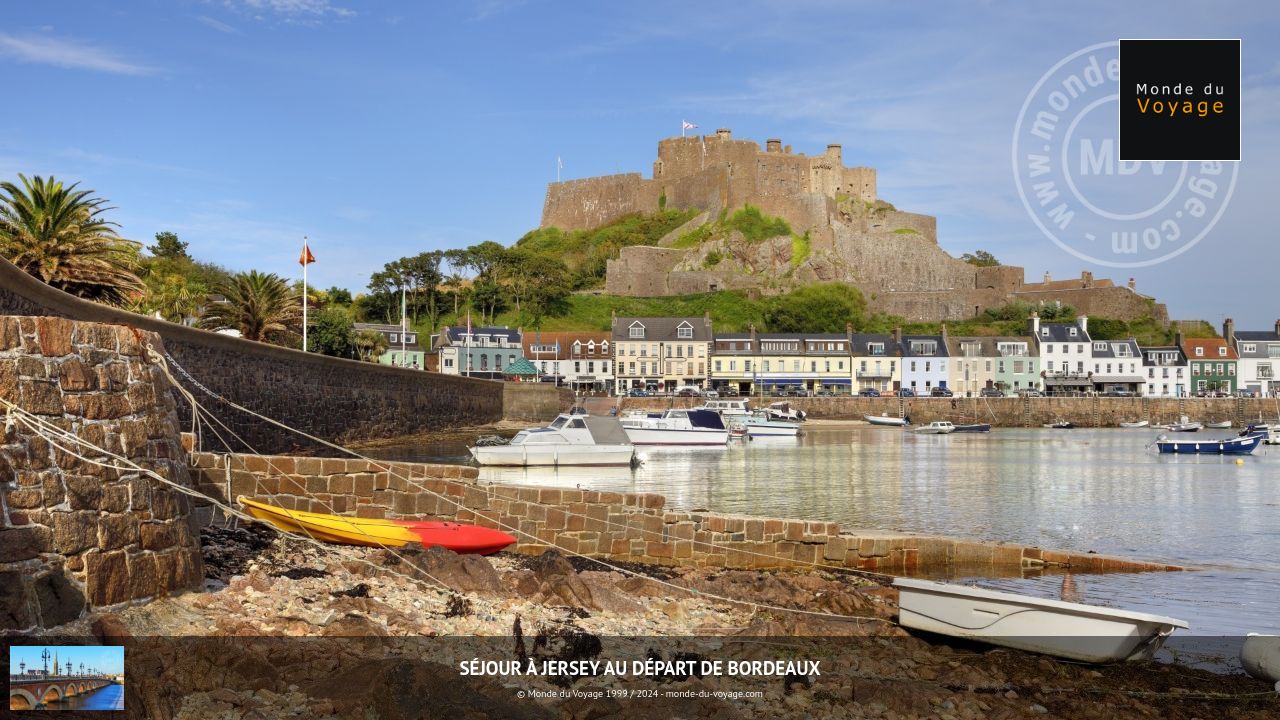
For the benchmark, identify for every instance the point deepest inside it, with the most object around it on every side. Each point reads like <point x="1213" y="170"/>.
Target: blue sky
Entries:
<point x="108" y="659"/>
<point x="382" y="129"/>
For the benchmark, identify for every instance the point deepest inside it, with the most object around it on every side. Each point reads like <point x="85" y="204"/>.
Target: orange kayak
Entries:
<point x="380" y="532"/>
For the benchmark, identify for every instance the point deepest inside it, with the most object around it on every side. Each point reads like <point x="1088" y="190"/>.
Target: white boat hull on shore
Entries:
<point x="1260" y="657"/>
<point x="553" y="454"/>
<point x="1086" y="633"/>
<point x="885" y="420"/>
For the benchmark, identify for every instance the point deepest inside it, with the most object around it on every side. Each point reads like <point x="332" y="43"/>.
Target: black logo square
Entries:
<point x="1179" y="99"/>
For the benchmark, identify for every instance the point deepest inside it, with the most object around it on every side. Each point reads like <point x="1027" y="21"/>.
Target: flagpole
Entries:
<point x="304" y="293"/>
<point x="404" y="358"/>
<point x="558" y="166"/>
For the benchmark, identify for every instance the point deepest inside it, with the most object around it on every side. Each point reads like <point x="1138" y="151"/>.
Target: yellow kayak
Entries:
<point x="379" y="532"/>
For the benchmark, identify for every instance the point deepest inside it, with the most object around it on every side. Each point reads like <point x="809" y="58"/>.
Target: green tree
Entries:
<point x="338" y="296"/>
<point x="370" y="344"/>
<point x="174" y="296"/>
<point x="58" y="234"/>
<point x="981" y="258"/>
<point x="331" y="331"/>
<point x="540" y="282"/>
<point x="169" y="247"/>
<point x="261" y="306"/>
<point x="824" y="307"/>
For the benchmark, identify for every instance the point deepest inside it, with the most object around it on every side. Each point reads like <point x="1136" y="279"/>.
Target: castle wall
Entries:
<point x="641" y="271"/>
<point x="592" y="202"/>
<point x="1112" y="302"/>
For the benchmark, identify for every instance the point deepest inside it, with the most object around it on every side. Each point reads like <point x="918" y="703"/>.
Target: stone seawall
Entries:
<point x="616" y="526"/>
<point x="1012" y="412"/>
<point x="340" y="400"/>
<point x="76" y="536"/>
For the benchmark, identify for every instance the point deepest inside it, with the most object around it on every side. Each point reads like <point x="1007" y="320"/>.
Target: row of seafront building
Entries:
<point x="668" y="353"/>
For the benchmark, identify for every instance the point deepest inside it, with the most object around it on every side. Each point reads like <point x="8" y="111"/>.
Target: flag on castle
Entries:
<point x="686" y="125"/>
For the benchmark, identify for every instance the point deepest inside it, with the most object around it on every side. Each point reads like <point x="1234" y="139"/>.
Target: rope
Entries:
<point x="881" y="578"/>
<point x="391" y="470"/>
<point x="45" y="430"/>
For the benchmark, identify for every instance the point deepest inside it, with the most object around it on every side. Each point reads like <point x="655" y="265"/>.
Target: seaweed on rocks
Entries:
<point x="229" y="551"/>
<point x="299" y="573"/>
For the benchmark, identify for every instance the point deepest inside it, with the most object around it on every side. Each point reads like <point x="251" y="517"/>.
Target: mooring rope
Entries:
<point x="604" y="563"/>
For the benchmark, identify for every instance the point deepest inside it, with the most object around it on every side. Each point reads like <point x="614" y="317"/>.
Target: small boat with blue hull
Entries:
<point x="973" y="428"/>
<point x="1240" y="445"/>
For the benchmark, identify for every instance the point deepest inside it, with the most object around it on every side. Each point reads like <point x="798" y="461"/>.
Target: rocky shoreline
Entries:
<point x="287" y="629"/>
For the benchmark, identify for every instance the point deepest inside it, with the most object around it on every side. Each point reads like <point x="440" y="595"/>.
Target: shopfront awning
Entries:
<point x="837" y="381"/>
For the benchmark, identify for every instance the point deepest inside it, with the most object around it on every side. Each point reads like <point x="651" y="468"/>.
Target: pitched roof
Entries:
<point x="563" y="342"/>
<point x="909" y="351"/>
<point x="1061" y="332"/>
<point x="989" y="345"/>
<point x="1110" y="351"/>
<point x="662" y="328"/>
<point x="1210" y="347"/>
<point x="456" y="334"/>
<point x="860" y="341"/>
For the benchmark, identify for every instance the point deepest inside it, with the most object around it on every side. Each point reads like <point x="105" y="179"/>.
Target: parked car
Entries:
<point x="795" y="392"/>
<point x="688" y="391"/>
<point x="940" y="392"/>
<point x="824" y="393"/>
<point x="1030" y="393"/>
<point x="1117" y="393"/>
<point x="991" y="392"/>
<point x="711" y="394"/>
<point x="905" y="392"/>
<point x="729" y="392"/>
<point x="869" y="392"/>
<point x="638" y="392"/>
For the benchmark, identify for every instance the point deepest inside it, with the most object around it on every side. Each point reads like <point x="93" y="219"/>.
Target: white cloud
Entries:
<point x="294" y="11"/>
<point x="217" y="25"/>
<point x="45" y="50"/>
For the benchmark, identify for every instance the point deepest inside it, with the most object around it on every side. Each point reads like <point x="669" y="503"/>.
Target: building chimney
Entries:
<point x="1086" y="278"/>
<point x="833" y="152"/>
<point x="1177" y="338"/>
<point x="773" y="145"/>
<point x="897" y="334"/>
<point x="1033" y="323"/>
<point x="848" y="333"/>
<point x="1229" y="331"/>
<point x="752" y="328"/>
<point x="1083" y="323"/>
<point x="943" y="329"/>
<point x="724" y="134"/>
<point x="1133" y="284"/>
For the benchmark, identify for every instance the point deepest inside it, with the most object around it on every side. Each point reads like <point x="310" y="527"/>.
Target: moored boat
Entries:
<point x="675" y="427"/>
<point x="1270" y="433"/>
<point x="973" y="428"/>
<point x="1184" y="424"/>
<point x="1239" y="445"/>
<point x="1074" y="631"/>
<point x="380" y="532"/>
<point x="887" y="421"/>
<point x="1260" y="657"/>
<point x="1219" y="425"/>
<point x="937" y="427"/>
<point x="728" y="408"/>
<point x="784" y="411"/>
<point x="1059" y="425"/>
<point x="1135" y="424"/>
<point x="762" y="424"/>
<point x="571" y="439"/>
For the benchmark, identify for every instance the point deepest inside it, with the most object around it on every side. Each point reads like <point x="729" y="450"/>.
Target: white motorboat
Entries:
<point x="728" y="408"/>
<point x="784" y="411"/>
<point x="886" y="420"/>
<point x="1270" y="433"/>
<point x="1219" y="425"/>
<point x="1074" y="631"/>
<point x="571" y="439"/>
<point x="675" y="427"/>
<point x="1135" y="424"/>
<point x="937" y="427"/>
<point x="761" y="424"/>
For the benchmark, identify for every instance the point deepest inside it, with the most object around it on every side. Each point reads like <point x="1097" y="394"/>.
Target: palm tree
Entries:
<point x="256" y="304"/>
<point x="371" y="344"/>
<point x="57" y="233"/>
<point x="454" y="284"/>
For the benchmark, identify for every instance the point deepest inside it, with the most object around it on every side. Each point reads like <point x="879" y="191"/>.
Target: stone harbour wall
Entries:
<point x="612" y="525"/>
<point x="75" y="536"/>
<point x="336" y="399"/>
<point x="1101" y="412"/>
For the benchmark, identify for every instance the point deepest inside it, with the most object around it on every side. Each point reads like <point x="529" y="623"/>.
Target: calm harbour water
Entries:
<point x="1100" y="490"/>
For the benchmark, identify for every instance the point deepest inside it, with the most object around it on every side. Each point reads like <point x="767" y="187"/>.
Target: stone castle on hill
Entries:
<point x="852" y="235"/>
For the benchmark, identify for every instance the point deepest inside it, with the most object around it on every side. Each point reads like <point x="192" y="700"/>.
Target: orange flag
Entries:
<point x="306" y="258"/>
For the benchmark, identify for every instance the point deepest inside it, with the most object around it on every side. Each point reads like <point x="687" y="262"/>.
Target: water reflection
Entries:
<point x="1099" y="490"/>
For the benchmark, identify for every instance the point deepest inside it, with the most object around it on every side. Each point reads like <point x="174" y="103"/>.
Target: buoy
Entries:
<point x="1239" y="461"/>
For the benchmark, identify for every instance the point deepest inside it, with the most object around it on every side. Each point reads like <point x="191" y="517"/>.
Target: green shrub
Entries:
<point x="755" y="226"/>
<point x="712" y="259"/>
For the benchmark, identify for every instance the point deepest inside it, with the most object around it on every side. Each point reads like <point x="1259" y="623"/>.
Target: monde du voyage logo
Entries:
<point x="1123" y="152"/>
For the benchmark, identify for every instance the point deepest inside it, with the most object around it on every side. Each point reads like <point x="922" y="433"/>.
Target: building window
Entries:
<point x="1099" y="347"/>
<point x="395" y="337"/>
<point x="484" y="361"/>
<point x="766" y="365"/>
<point x="1199" y="352"/>
<point x="717" y="366"/>
<point x="1264" y="371"/>
<point x="577" y="367"/>
<point x="448" y="362"/>
<point x="637" y="331"/>
<point x="1249" y="348"/>
<point x="684" y="331"/>
<point x="1048" y="348"/>
<point x="1222" y="352"/>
